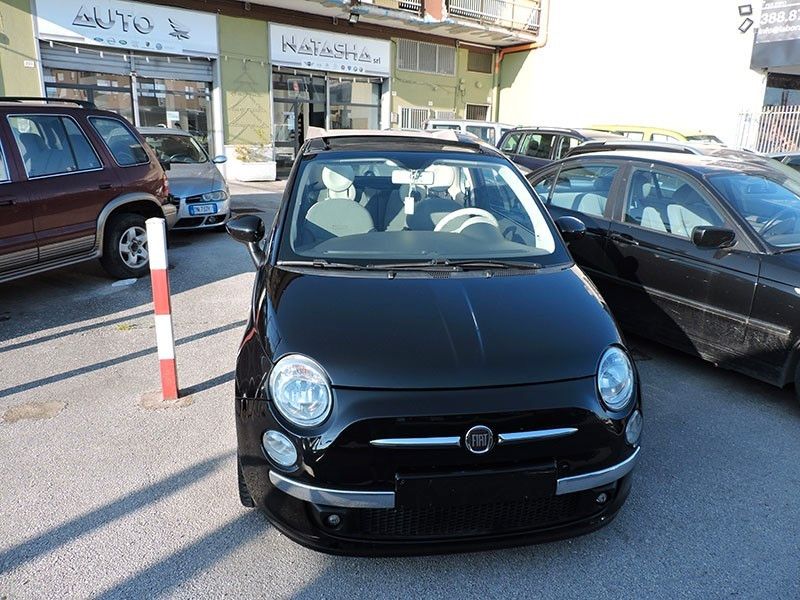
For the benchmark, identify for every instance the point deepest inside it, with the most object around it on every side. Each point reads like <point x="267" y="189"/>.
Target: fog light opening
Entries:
<point x="633" y="430"/>
<point x="280" y="449"/>
<point x="602" y="498"/>
<point x="333" y="520"/>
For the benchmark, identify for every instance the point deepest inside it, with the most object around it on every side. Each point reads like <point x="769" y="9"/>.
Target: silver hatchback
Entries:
<point x="196" y="184"/>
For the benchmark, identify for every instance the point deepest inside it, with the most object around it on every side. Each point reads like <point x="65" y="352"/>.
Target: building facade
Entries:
<point x="249" y="78"/>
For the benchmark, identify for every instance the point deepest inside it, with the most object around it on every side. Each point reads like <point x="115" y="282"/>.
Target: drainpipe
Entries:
<point x="539" y="43"/>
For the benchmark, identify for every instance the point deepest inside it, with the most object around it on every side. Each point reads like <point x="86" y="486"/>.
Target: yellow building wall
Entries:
<point x="19" y="73"/>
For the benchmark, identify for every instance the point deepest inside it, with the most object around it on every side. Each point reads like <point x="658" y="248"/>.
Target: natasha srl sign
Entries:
<point x="127" y="25"/>
<point x="328" y="51"/>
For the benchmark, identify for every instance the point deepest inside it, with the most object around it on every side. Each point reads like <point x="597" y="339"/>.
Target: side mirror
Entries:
<point x="218" y="160"/>
<point x="165" y="164"/>
<point x="249" y="229"/>
<point x="571" y="228"/>
<point x="706" y="236"/>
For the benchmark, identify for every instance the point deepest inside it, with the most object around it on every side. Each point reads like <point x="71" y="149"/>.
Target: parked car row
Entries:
<point x="77" y="183"/>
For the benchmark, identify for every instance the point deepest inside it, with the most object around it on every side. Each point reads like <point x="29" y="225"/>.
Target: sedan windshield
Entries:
<point x="770" y="204"/>
<point x="416" y="207"/>
<point x="176" y="148"/>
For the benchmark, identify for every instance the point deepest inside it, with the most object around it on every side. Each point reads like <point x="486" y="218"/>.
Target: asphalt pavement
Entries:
<point x="101" y="497"/>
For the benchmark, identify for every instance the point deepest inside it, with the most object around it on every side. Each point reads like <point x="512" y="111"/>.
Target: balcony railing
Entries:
<point x="512" y="14"/>
<point x="414" y="6"/>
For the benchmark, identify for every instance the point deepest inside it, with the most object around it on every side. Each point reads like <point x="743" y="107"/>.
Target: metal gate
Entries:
<point x="775" y="129"/>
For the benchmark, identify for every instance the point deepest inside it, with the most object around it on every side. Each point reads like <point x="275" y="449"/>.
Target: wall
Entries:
<point x="17" y="45"/>
<point x="245" y="81"/>
<point x="680" y="64"/>
<point x="440" y="92"/>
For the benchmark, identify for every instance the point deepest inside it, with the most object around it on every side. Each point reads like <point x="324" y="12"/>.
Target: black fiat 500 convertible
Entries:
<point x="425" y="369"/>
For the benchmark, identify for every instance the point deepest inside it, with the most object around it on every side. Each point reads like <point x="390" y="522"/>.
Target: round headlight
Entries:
<point x="300" y="390"/>
<point x="615" y="378"/>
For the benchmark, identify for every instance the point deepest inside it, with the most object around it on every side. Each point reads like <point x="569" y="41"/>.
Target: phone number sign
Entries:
<point x="780" y="21"/>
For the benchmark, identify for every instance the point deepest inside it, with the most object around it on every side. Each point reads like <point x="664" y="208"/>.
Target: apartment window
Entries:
<point x="413" y="118"/>
<point x="445" y="114"/>
<point x="478" y="112"/>
<point x="422" y="57"/>
<point x="479" y="62"/>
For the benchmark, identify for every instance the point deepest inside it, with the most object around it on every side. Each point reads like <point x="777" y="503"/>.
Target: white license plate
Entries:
<point x="202" y="209"/>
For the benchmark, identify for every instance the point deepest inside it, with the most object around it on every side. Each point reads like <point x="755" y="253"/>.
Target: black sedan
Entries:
<point x="425" y="369"/>
<point x="699" y="252"/>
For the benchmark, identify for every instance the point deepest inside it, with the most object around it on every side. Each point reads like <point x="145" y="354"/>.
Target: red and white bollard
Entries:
<point x="159" y="277"/>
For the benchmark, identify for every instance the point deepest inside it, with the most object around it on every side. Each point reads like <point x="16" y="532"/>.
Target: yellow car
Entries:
<point x="657" y="134"/>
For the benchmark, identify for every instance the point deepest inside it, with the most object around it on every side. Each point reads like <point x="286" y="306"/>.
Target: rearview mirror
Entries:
<point x="707" y="236"/>
<point x="571" y="228"/>
<point x="218" y="160"/>
<point x="405" y="177"/>
<point x="249" y="229"/>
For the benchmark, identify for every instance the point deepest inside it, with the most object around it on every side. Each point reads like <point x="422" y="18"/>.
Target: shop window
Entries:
<point x="479" y="62"/>
<point x="51" y="145"/>
<point x="422" y="57"/>
<point x="478" y="112"/>
<point x="119" y="140"/>
<point x="175" y="104"/>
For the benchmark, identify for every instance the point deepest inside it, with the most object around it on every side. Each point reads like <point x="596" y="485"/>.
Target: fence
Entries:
<point x="514" y="14"/>
<point x="775" y="129"/>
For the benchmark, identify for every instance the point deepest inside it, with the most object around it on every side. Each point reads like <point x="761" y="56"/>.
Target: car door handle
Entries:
<point x="8" y="201"/>
<point x="104" y="186"/>
<point x="622" y="238"/>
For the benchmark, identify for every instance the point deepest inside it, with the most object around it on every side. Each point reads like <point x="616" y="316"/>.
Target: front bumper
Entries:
<point x="386" y="498"/>
<point x="355" y="467"/>
<point x="186" y="220"/>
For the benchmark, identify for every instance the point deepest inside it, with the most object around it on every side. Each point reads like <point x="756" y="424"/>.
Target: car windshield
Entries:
<point x="416" y="207"/>
<point x="176" y="148"/>
<point x="770" y="203"/>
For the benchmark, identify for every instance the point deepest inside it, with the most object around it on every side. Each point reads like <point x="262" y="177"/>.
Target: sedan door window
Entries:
<point x="544" y="185"/>
<point x="537" y="145"/>
<point x="584" y="188"/>
<point x="667" y="203"/>
<point x="510" y="142"/>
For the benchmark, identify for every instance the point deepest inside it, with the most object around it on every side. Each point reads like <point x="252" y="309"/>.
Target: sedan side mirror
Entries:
<point x="571" y="228"/>
<point x="218" y="160"/>
<point x="707" y="236"/>
<point x="165" y="164"/>
<point x="249" y="229"/>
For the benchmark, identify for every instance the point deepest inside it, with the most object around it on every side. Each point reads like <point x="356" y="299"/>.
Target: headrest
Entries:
<point x="603" y="184"/>
<point x="339" y="178"/>
<point x="686" y="194"/>
<point x="443" y="176"/>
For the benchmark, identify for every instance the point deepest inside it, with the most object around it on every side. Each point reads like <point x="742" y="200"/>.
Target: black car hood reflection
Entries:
<point x="423" y="333"/>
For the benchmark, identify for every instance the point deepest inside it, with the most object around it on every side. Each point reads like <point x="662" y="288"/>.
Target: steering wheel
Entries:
<point x="478" y="215"/>
<point x="778" y="218"/>
<point x="177" y="158"/>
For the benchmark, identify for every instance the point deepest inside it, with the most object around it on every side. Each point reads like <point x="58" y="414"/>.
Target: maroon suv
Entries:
<point x="76" y="183"/>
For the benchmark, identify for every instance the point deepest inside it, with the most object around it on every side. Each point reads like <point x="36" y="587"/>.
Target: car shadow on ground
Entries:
<point x="84" y="292"/>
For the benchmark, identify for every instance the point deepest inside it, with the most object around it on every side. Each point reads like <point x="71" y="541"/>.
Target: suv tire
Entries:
<point x="125" y="247"/>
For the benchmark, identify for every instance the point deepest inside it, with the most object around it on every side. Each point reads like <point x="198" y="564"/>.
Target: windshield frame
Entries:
<point x="192" y="142"/>
<point x="769" y="173"/>
<point x="281" y="244"/>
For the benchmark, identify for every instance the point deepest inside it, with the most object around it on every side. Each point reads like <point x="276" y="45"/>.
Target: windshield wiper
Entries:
<point x="456" y="264"/>
<point x="319" y="263"/>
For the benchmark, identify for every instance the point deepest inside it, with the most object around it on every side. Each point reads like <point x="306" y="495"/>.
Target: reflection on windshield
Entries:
<point x="414" y="207"/>
<point x="176" y="149"/>
<point x="771" y="206"/>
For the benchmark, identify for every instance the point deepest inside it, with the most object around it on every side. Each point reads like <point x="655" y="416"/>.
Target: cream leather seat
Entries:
<point x="336" y="213"/>
<point x="438" y="203"/>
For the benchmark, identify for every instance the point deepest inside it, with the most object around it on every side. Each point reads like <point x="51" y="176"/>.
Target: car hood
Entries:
<point x="424" y="333"/>
<point x="191" y="180"/>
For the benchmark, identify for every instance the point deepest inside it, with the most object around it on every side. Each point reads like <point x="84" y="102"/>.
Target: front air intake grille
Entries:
<point x="471" y="520"/>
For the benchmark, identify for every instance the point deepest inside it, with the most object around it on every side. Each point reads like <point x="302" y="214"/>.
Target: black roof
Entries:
<point x="387" y="141"/>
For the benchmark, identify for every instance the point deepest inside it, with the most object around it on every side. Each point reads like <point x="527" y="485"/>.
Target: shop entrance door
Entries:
<point x="299" y="103"/>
